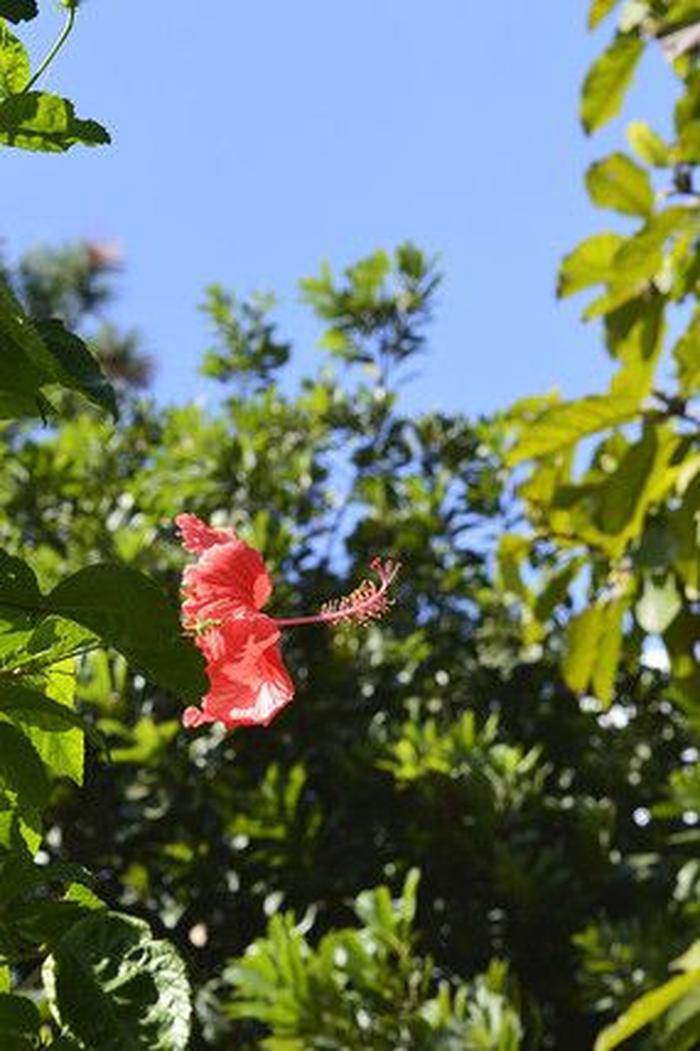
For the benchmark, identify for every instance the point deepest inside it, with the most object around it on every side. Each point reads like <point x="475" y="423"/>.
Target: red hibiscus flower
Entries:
<point x="223" y="593"/>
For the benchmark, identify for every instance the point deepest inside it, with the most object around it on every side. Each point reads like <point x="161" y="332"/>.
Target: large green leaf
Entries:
<point x="646" y="1010"/>
<point x="608" y="79"/>
<point x="36" y="120"/>
<point x="564" y="425"/>
<point x="77" y="369"/>
<point x="18" y="10"/>
<point x="14" y="63"/>
<point x="130" y="612"/>
<point x="111" y="985"/>
<point x="618" y="183"/>
<point x="43" y="354"/>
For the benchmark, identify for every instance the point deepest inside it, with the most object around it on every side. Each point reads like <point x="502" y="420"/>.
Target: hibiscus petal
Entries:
<point x="249" y="683"/>
<point x="198" y="537"/>
<point x="228" y="579"/>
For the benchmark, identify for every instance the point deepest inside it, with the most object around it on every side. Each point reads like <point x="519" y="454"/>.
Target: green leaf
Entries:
<point x="640" y="257"/>
<point x="684" y="524"/>
<point x="608" y="79"/>
<point x="649" y="147"/>
<point x="608" y="650"/>
<point x="77" y="368"/>
<point x="593" y="643"/>
<point x="645" y="1010"/>
<point x="582" y="638"/>
<point x="687" y="356"/>
<point x="621" y="496"/>
<point x="39" y="121"/>
<point x="112" y="986"/>
<point x="659" y="605"/>
<point x="21" y="769"/>
<point x="598" y="10"/>
<point x="618" y="183"/>
<point x="18" y="584"/>
<point x="565" y="424"/>
<point x="590" y="263"/>
<point x="54" y="729"/>
<point x="130" y="612"/>
<point x="14" y="63"/>
<point x="53" y="640"/>
<point x="18" y="10"/>
<point x="18" y="1016"/>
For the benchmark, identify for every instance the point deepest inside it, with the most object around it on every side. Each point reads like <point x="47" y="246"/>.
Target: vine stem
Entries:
<point x="56" y="47"/>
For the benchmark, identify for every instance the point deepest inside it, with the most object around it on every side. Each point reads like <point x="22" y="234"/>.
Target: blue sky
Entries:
<point x="253" y="140"/>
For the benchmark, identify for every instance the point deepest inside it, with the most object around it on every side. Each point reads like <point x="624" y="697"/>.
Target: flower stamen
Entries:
<point x="367" y="602"/>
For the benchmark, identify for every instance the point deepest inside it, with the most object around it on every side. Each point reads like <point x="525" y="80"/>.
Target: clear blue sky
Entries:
<point x="253" y="140"/>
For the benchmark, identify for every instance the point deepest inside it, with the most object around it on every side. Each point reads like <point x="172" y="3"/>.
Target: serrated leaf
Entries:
<point x="111" y="985"/>
<point x="645" y="1010"/>
<point x="608" y="79"/>
<point x="590" y="263"/>
<point x="36" y="120"/>
<point x="14" y="63"/>
<point x="618" y="183"/>
<point x="130" y="612"/>
<point x="18" y="10"/>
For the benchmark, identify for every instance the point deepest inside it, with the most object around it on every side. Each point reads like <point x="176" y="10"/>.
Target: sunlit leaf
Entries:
<point x="608" y="79"/>
<point x="618" y="183"/>
<point x="646" y="1010"/>
<point x="36" y="120"/>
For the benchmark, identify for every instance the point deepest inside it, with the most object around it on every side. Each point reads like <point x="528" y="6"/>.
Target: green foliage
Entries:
<point x="626" y="500"/>
<point x="111" y="985"/>
<point x="367" y="987"/>
<point x="35" y="120"/>
<point x="608" y="79"/>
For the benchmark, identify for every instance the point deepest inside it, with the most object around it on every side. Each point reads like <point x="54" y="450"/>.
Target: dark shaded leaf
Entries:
<point x="113" y="986"/>
<point x="130" y="612"/>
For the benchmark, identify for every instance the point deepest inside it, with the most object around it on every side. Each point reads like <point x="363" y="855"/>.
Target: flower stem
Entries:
<point x="57" y="45"/>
